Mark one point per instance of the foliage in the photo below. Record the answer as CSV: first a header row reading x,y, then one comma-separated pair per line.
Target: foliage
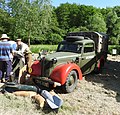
x,y
6,23
117,10
111,19
113,25
111,47
81,28
54,39
113,41
85,12
38,21
116,29
97,23
32,18
62,13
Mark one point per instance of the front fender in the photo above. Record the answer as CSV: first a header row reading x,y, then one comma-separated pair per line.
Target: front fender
x,y
35,68
60,73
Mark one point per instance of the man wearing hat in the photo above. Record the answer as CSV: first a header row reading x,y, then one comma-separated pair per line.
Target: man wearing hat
x,y
5,58
22,56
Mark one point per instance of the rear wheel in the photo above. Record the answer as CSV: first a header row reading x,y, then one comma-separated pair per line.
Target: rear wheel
x,y
71,82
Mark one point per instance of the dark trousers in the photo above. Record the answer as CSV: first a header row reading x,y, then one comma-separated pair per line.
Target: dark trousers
x,y
5,69
17,65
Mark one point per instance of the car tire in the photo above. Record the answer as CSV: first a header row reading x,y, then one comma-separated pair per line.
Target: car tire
x,y
71,82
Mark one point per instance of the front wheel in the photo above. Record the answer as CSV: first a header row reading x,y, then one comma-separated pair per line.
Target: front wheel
x,y
71,82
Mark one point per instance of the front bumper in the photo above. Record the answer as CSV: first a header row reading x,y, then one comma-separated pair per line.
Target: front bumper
x,y
46,82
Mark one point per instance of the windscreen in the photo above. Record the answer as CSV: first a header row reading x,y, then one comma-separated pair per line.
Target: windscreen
x,y
68,47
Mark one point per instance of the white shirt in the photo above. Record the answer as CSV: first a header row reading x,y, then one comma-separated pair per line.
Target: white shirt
x,y
20,52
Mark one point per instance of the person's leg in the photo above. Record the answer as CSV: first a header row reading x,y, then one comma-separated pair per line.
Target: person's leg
x,y
22,75
1,70
15,63
8,69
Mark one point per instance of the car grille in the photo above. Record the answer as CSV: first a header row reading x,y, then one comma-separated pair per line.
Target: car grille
x,y
46,67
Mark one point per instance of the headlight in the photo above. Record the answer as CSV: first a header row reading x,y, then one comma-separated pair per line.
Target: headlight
x,y
54,60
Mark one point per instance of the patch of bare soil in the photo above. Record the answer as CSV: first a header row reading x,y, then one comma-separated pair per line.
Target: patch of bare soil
x,y
97,94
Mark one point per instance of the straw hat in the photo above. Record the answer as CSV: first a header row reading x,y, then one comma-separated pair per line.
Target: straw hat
x,y
18,39
4,36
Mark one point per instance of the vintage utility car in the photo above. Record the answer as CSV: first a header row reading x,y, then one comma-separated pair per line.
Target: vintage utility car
x,y
78,54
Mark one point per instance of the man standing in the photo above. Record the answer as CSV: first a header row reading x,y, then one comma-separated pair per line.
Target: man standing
x,y
22,59
23,50
5,58
14,46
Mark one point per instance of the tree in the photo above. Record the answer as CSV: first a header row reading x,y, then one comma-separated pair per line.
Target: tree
x,y
113,24
38,20
62,13
54,39
97,23
117,10
111,20
6,23
104,12
81,28
85,12
32,17
54,26
116,30
74,16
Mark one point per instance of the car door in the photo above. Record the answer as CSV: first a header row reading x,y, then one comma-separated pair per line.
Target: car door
x,y
88,58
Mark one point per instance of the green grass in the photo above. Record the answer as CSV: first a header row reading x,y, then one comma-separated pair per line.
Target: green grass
x,y
38,48
49,48
18,105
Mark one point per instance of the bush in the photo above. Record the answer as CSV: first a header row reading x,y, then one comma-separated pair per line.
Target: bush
x,y
111,47
114,41
54,39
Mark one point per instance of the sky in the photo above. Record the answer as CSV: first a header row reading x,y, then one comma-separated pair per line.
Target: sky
x,y
95,3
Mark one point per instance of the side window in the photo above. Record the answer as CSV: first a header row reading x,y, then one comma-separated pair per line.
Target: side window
x,y
79,48
89,47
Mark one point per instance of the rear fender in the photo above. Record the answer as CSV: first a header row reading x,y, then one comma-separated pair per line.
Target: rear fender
x,y
101,62
60,73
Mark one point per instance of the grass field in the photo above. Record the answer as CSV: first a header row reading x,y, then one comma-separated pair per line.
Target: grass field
x,y
38,48
18,105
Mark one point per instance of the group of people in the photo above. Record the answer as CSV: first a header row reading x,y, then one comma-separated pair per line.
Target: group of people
x,y
9,51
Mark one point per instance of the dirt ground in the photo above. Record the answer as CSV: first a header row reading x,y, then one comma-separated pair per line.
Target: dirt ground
x,y
96,94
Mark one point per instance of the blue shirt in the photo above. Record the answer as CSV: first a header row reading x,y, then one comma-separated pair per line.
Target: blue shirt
x,y
5,50
14,44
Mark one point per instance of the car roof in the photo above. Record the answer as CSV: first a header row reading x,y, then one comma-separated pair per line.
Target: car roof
x,y
84,41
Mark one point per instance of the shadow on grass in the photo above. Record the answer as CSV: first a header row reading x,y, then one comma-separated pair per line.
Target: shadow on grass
x,y
109,77
46,109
